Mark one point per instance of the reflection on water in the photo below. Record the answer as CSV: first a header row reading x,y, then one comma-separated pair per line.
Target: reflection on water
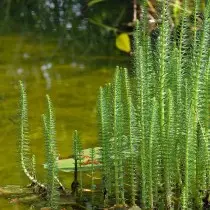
x,y
73,87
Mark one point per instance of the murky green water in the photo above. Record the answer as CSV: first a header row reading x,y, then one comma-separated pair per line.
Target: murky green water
x,y
73,87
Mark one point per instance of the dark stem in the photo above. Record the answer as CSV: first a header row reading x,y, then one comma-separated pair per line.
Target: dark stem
x,y
75,183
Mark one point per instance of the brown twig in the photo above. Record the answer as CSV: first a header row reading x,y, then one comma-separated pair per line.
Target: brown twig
x,y
134,10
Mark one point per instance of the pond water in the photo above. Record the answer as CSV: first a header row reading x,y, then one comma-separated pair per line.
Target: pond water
x,y
73,87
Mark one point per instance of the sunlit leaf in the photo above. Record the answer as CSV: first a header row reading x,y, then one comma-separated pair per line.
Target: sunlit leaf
x,y
123,42
67,165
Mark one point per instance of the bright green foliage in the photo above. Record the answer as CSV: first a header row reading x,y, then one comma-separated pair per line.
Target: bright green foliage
x,y
51,155
105,137
131,133
160,117
153,124
26,159
24,137
28,162
118,136
117,133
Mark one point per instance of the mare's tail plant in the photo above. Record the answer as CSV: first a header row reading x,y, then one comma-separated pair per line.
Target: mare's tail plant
x,y
51,156
26,159
117,134
105,137
154,125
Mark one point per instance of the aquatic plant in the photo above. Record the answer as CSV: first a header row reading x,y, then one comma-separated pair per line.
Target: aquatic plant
x,y
156,125
28,162
26,159
105,137
153,123
117,122
51,155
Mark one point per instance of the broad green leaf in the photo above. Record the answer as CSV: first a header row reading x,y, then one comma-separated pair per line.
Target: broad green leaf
x,y
67,165
123,42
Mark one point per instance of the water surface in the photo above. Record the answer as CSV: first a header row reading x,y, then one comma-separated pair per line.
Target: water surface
x,y
73,87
